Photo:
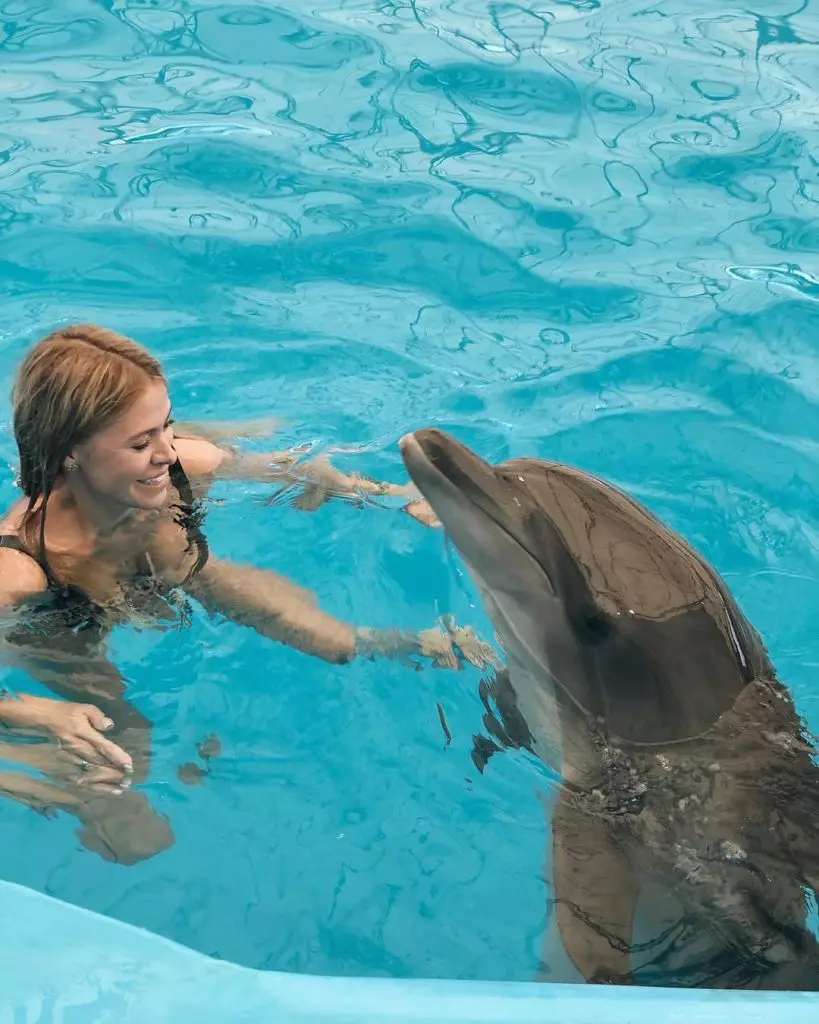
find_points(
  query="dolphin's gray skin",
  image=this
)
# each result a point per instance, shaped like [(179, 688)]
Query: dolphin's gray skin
[(633, 672)]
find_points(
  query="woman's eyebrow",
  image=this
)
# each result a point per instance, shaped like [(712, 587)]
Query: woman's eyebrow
[(150, 430)]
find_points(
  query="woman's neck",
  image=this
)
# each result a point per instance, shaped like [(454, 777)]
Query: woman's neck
[(94, 514)]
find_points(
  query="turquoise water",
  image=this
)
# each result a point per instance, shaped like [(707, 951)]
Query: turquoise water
[(578, 230)]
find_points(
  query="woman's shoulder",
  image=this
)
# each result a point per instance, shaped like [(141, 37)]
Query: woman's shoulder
[(21, 575), (198, 456), (12, 519)]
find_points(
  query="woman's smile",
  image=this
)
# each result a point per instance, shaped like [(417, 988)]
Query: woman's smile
[(158, 481)]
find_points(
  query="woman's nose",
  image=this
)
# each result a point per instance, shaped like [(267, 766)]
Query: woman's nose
[(164, 452)]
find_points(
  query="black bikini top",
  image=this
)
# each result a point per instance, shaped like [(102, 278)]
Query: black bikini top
[(75, 609)]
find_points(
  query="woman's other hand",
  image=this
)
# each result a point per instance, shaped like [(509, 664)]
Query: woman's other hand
[(78, 728)]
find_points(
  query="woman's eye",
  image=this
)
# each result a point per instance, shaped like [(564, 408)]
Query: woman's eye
[(140, 447)]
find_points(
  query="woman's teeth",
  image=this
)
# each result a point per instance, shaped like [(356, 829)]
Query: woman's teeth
[(155, 481)]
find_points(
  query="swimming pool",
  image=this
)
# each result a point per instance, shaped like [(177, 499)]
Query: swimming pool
[(586, 232)]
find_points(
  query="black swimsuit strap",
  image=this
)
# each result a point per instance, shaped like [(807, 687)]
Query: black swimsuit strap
[(179, 478), (13, 542), (189, 519)]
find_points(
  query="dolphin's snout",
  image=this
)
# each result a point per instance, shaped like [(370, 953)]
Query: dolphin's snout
[(426, 446), (412, 452)]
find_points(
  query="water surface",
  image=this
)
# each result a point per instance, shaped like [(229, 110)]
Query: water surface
[(583, 230)]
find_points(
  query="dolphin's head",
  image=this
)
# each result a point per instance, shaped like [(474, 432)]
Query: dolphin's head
[(589, 592)]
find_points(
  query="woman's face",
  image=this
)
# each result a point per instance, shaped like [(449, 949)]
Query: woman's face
[(127, 462)]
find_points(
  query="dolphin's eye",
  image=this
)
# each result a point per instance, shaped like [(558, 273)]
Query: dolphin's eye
[(598, 626)]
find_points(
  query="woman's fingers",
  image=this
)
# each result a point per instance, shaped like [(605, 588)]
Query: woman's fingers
[(102, 748), (81, 766), (437, 645), (101, 778), (476, 651), (78, 764), (450, 645), (421, 510), (96, 718)]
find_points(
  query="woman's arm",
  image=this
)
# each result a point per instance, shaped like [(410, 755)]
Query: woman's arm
[(283, 611), (78, 677), (61, 661), (317, 479), (86, 773)]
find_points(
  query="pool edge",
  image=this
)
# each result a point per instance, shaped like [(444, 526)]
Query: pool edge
[(75, 964)]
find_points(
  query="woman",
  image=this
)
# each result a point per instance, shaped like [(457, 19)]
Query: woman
[(108, 528)]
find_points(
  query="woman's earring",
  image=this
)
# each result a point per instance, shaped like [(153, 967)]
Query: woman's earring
[(70, 465)]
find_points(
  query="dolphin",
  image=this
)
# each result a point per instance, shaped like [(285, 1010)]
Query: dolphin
[(633, 673)]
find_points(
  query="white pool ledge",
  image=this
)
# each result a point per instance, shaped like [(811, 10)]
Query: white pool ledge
[(63, 965)]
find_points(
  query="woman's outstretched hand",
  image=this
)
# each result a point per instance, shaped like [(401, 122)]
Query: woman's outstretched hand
[(449, 645)]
